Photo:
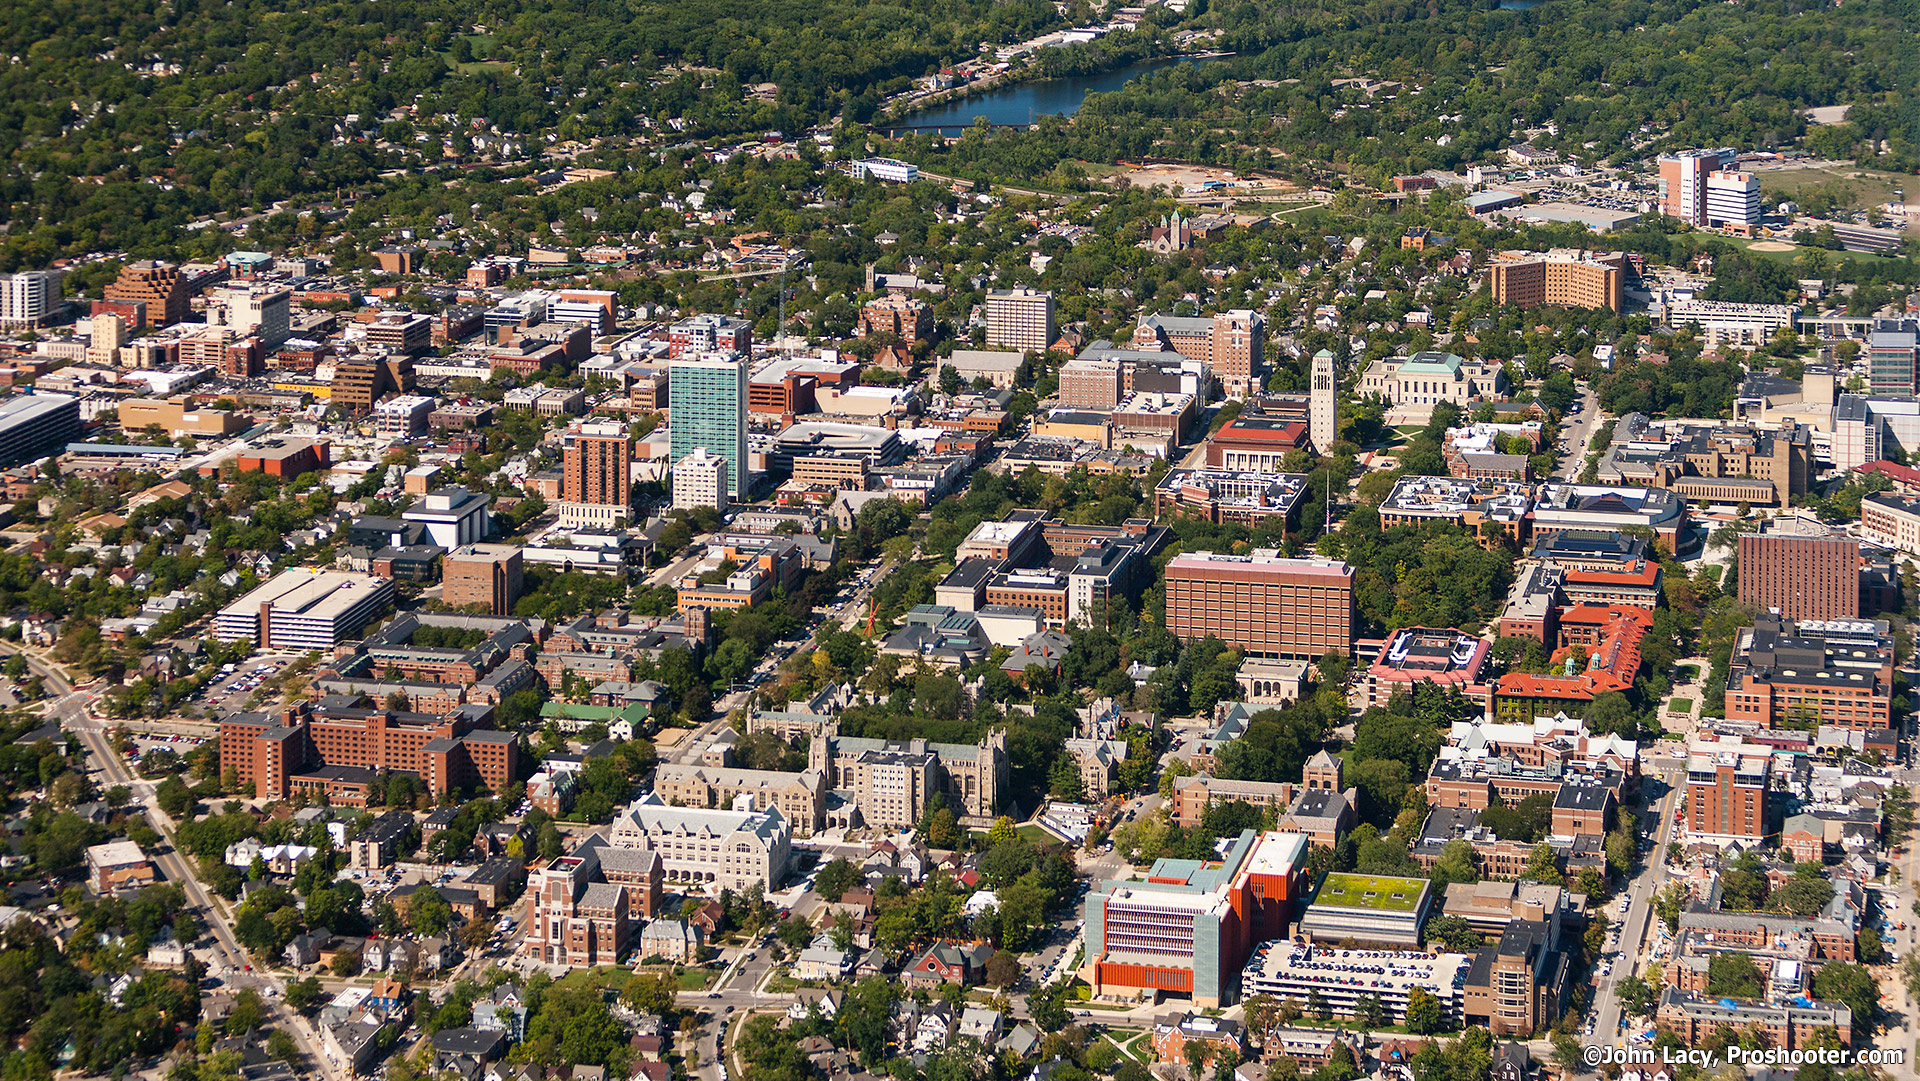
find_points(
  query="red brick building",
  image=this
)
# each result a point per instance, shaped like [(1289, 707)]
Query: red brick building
[(1262, 603), (339, 750), (1801, 576)]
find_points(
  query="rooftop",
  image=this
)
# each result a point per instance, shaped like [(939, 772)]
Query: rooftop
[(1379, 893)]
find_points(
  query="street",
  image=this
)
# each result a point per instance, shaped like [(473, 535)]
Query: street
[(1639, 895), (229, 959)]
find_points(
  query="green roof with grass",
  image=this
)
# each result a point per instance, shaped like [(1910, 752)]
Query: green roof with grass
[(1380, 893)]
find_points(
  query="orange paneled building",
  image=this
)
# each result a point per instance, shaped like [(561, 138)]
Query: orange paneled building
[(1188, 929)]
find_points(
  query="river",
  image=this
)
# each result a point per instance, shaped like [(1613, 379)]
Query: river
[(1023, 103)]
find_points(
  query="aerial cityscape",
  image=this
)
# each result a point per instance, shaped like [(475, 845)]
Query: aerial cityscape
[(1010, 540)]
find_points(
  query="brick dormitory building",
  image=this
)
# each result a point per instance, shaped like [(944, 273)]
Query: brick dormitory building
[(339, 750)]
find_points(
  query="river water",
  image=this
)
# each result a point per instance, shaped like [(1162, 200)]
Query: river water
[(1023, 103)]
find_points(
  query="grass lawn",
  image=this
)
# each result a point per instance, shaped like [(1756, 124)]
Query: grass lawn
[(1680, 707), (696, 979), (1036, 835), (1382, 893), (1686, 672), (606, 978), (1846, 185)]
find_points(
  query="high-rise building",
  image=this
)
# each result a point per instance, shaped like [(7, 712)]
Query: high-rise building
[(358, 382), (709, 396), (488, 576), (262, 312), (1727, 791), (1566, 278), (109, 334), (597, 479), (1801, 572), (1892, 346), (1020, 319), (594, 307), (27, 299), (700, 480), (1092, 383), (1262, 603), (157, 285), (1323, 408), (1733, 200), (1239, 344), (1683, 182), (1189, 929), (401, 332)]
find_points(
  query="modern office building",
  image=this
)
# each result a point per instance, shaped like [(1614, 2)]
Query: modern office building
[(1569, 279), (596, 485), (1831, 673), (1727, 791), (452, 516), (1020, 319), (401, 332), (594, 307), (1683, 182), (484, 576), (888, 169), (153, 287), (710, 849), (262, 311), (1732, 200), (33, 426), (301, 609), (709, 396), (1186, 931), (700, 480), (1262, 603), (27, 299), (1892, 346), (1800, 570), (359, 382)]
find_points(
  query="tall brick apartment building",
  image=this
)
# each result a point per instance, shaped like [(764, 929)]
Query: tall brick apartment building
[(340, 750), (1261, 603), (1801, 573)]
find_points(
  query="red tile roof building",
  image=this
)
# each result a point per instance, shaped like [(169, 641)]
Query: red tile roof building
[(1609, 637)]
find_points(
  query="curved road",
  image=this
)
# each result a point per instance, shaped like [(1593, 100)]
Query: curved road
[(70, 709)]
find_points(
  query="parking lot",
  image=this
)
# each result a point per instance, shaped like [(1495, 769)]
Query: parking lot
[(227, 692)]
